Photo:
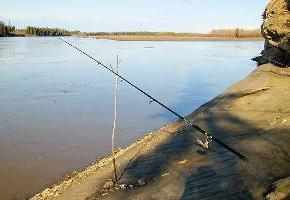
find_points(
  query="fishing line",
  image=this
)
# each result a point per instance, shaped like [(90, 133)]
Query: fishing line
[(152, 99)]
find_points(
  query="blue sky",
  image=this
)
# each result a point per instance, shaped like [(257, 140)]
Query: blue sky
[(134, 15)]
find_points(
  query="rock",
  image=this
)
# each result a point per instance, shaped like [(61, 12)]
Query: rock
[(276, 31), (141, 182), (108, 184), (69, 181), (276, 27), (280, 190), (165, 174), (183, 162), (123, 186), (104, 194), (46, 192)]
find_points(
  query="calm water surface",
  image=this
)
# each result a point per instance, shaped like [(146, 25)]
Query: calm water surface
[(56, 106)]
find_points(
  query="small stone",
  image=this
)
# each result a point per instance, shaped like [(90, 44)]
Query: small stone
[(165, 174), (273, 123), (104, 194), (141, 182), (183, 162), (108, 184), (123, 186), (46, 191), (68, 182)]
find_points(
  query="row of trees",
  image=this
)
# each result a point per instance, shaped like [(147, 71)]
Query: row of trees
[(233, 33), (142, 33), (6, 30), (46, 31), (237, 33)]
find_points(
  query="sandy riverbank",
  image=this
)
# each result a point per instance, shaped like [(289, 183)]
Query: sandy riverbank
[(169, 38), (253, 116)]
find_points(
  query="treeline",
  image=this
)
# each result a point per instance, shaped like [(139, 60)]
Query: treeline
[(230, 33), (237, 33), (37, 31), (6, 30), (142, 33)]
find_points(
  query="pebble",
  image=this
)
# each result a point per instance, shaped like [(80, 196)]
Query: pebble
[(104, 194), (123, 186), (165, 174), (183, 162), (108, 184), (141, 182)]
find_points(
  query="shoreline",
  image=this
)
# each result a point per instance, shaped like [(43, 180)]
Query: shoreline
[(171, 38), (150, 38), (168, 162)]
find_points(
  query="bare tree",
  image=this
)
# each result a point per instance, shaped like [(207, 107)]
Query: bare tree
[(237, 33)]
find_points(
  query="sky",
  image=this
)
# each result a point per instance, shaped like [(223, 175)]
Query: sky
[(134, 15)]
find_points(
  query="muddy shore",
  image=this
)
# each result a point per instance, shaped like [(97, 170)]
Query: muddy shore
[(252, 116)]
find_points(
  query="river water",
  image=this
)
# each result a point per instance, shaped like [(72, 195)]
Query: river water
[(56, 106)]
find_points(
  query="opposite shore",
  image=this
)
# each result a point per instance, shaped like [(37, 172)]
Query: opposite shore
[(171, 38), (216, 34)]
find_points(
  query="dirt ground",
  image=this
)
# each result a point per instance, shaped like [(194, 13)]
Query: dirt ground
[(252, 116)]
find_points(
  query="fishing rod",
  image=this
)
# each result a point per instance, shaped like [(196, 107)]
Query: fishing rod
[(152, 99)]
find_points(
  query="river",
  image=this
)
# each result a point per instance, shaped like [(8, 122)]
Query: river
[(56, 106)]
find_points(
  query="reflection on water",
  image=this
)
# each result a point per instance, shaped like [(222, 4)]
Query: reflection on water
[(56, 106)]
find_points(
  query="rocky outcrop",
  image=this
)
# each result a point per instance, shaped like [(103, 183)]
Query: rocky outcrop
[(280, 190), (276, 31)]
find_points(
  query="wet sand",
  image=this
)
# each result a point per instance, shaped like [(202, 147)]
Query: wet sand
[(252, 116)]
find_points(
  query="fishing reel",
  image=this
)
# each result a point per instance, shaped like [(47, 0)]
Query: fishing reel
[(206, 142)]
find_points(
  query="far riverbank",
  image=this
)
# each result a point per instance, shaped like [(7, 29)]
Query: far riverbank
[(170, 38)]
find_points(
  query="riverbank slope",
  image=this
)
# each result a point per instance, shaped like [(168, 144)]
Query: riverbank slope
[(252, 116)]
